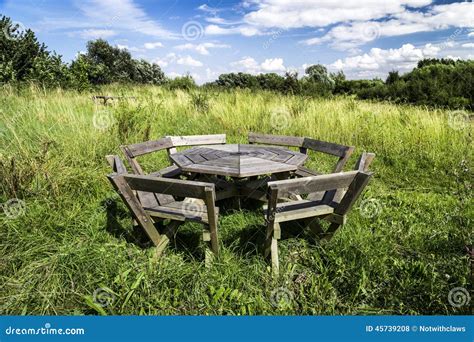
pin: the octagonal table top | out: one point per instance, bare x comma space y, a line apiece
238, 160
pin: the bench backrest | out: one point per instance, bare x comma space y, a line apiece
195, 140
342, 151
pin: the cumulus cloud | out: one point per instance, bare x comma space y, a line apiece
189, 61
151, 46
380, 61
203, 48
320, 13
357, 33
250, 65
96, 33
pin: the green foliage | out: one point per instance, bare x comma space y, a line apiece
181, 82
23, 58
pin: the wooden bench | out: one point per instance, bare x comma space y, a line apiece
304, 144
339, 193
111, 98
198, 205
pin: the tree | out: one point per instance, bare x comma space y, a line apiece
23, 58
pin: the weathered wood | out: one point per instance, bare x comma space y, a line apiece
210, 199
364, 161
353, 192
238, 161
305, 172
179, 213
169, 233
168, 186
271, 212
194, 140
274, 256
326, 147
167, 172
307, 185
343, 160
270, 139
127, 195
139, 149
116, 164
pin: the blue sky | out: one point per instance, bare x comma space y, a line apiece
364, 38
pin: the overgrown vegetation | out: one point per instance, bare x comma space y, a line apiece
401, 252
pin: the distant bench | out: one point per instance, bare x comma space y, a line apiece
106, 98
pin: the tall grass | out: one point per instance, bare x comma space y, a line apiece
71, 248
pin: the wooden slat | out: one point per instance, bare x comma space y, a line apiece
305, 172
325, 147
210, 199
169, 172
364, 161
139, 149
343, 160
296, 213
168, 186
275, 139
353, 192
193, 140
140, 215
179, 212
116, 164
307, 185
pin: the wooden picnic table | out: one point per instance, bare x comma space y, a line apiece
238, 160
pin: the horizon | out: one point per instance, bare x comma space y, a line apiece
364, 39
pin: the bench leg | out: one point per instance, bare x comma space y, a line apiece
271, 245
274, 253
170, 231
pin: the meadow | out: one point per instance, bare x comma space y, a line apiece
67, 245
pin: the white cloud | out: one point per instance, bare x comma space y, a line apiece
379, 61
357, 33
121, 14
320, 13
247, 31
250, 65
96, 33
189, 61
273, 64
202, 49
468, 45
151, 46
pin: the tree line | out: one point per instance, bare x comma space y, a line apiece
434, 82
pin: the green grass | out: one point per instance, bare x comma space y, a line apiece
74, 238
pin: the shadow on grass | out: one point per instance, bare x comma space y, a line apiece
187, 240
